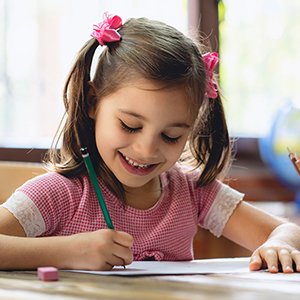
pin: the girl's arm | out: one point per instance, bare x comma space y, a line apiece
99, 250
272, 239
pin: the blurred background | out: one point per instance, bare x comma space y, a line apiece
258, 42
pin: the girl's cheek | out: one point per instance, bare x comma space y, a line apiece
173, 151
118, 138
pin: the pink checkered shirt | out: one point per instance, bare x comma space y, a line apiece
55, 205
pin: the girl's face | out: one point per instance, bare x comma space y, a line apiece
141, 131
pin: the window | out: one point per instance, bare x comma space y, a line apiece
39, 40
258, 46
260, 61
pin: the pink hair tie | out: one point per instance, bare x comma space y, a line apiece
210, 61
105, 32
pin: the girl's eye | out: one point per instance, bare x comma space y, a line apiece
128, 128
166, 138
169, 139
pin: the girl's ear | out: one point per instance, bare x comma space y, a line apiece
91, 99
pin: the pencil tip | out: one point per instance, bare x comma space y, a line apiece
289, 151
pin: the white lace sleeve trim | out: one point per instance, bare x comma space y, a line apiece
24, 209
223, 206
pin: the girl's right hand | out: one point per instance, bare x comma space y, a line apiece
100, 250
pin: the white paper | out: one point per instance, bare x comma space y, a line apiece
201, 266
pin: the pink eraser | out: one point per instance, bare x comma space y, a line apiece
47, 273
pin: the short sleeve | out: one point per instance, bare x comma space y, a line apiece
213, 204
26, 212
221, 209
44, 204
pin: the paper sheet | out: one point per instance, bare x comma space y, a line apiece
201, 266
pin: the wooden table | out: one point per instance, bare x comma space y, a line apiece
251, 285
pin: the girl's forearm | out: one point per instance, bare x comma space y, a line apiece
98, 250
30, 253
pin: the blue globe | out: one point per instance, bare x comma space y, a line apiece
285, 132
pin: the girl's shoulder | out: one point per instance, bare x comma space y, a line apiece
46, 202
52, 178
183, 175
183, 171
52, 184
185, 178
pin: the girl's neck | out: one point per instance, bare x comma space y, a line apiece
144, 197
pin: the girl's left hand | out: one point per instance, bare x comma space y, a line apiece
277, 242
275, 255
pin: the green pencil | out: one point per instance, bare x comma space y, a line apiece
91, 171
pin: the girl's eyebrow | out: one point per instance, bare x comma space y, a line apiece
131, 113
136, 115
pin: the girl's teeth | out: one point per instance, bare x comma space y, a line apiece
135, 164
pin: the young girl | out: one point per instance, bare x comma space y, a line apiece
151, 104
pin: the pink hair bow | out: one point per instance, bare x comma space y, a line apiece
210, 61
105, 32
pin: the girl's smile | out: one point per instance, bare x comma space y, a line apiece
141, 130
136, 168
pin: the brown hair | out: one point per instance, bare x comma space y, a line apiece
154, 51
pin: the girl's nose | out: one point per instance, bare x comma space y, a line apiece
146, 148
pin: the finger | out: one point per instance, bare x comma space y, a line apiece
121, 262
296, 257
286, 261
106, 267
271, 259
256, 262
123, 238
115, 261
123, 253
120, 256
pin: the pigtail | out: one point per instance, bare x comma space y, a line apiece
210, 141
78, 129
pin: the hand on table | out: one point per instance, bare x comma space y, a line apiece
273, 255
